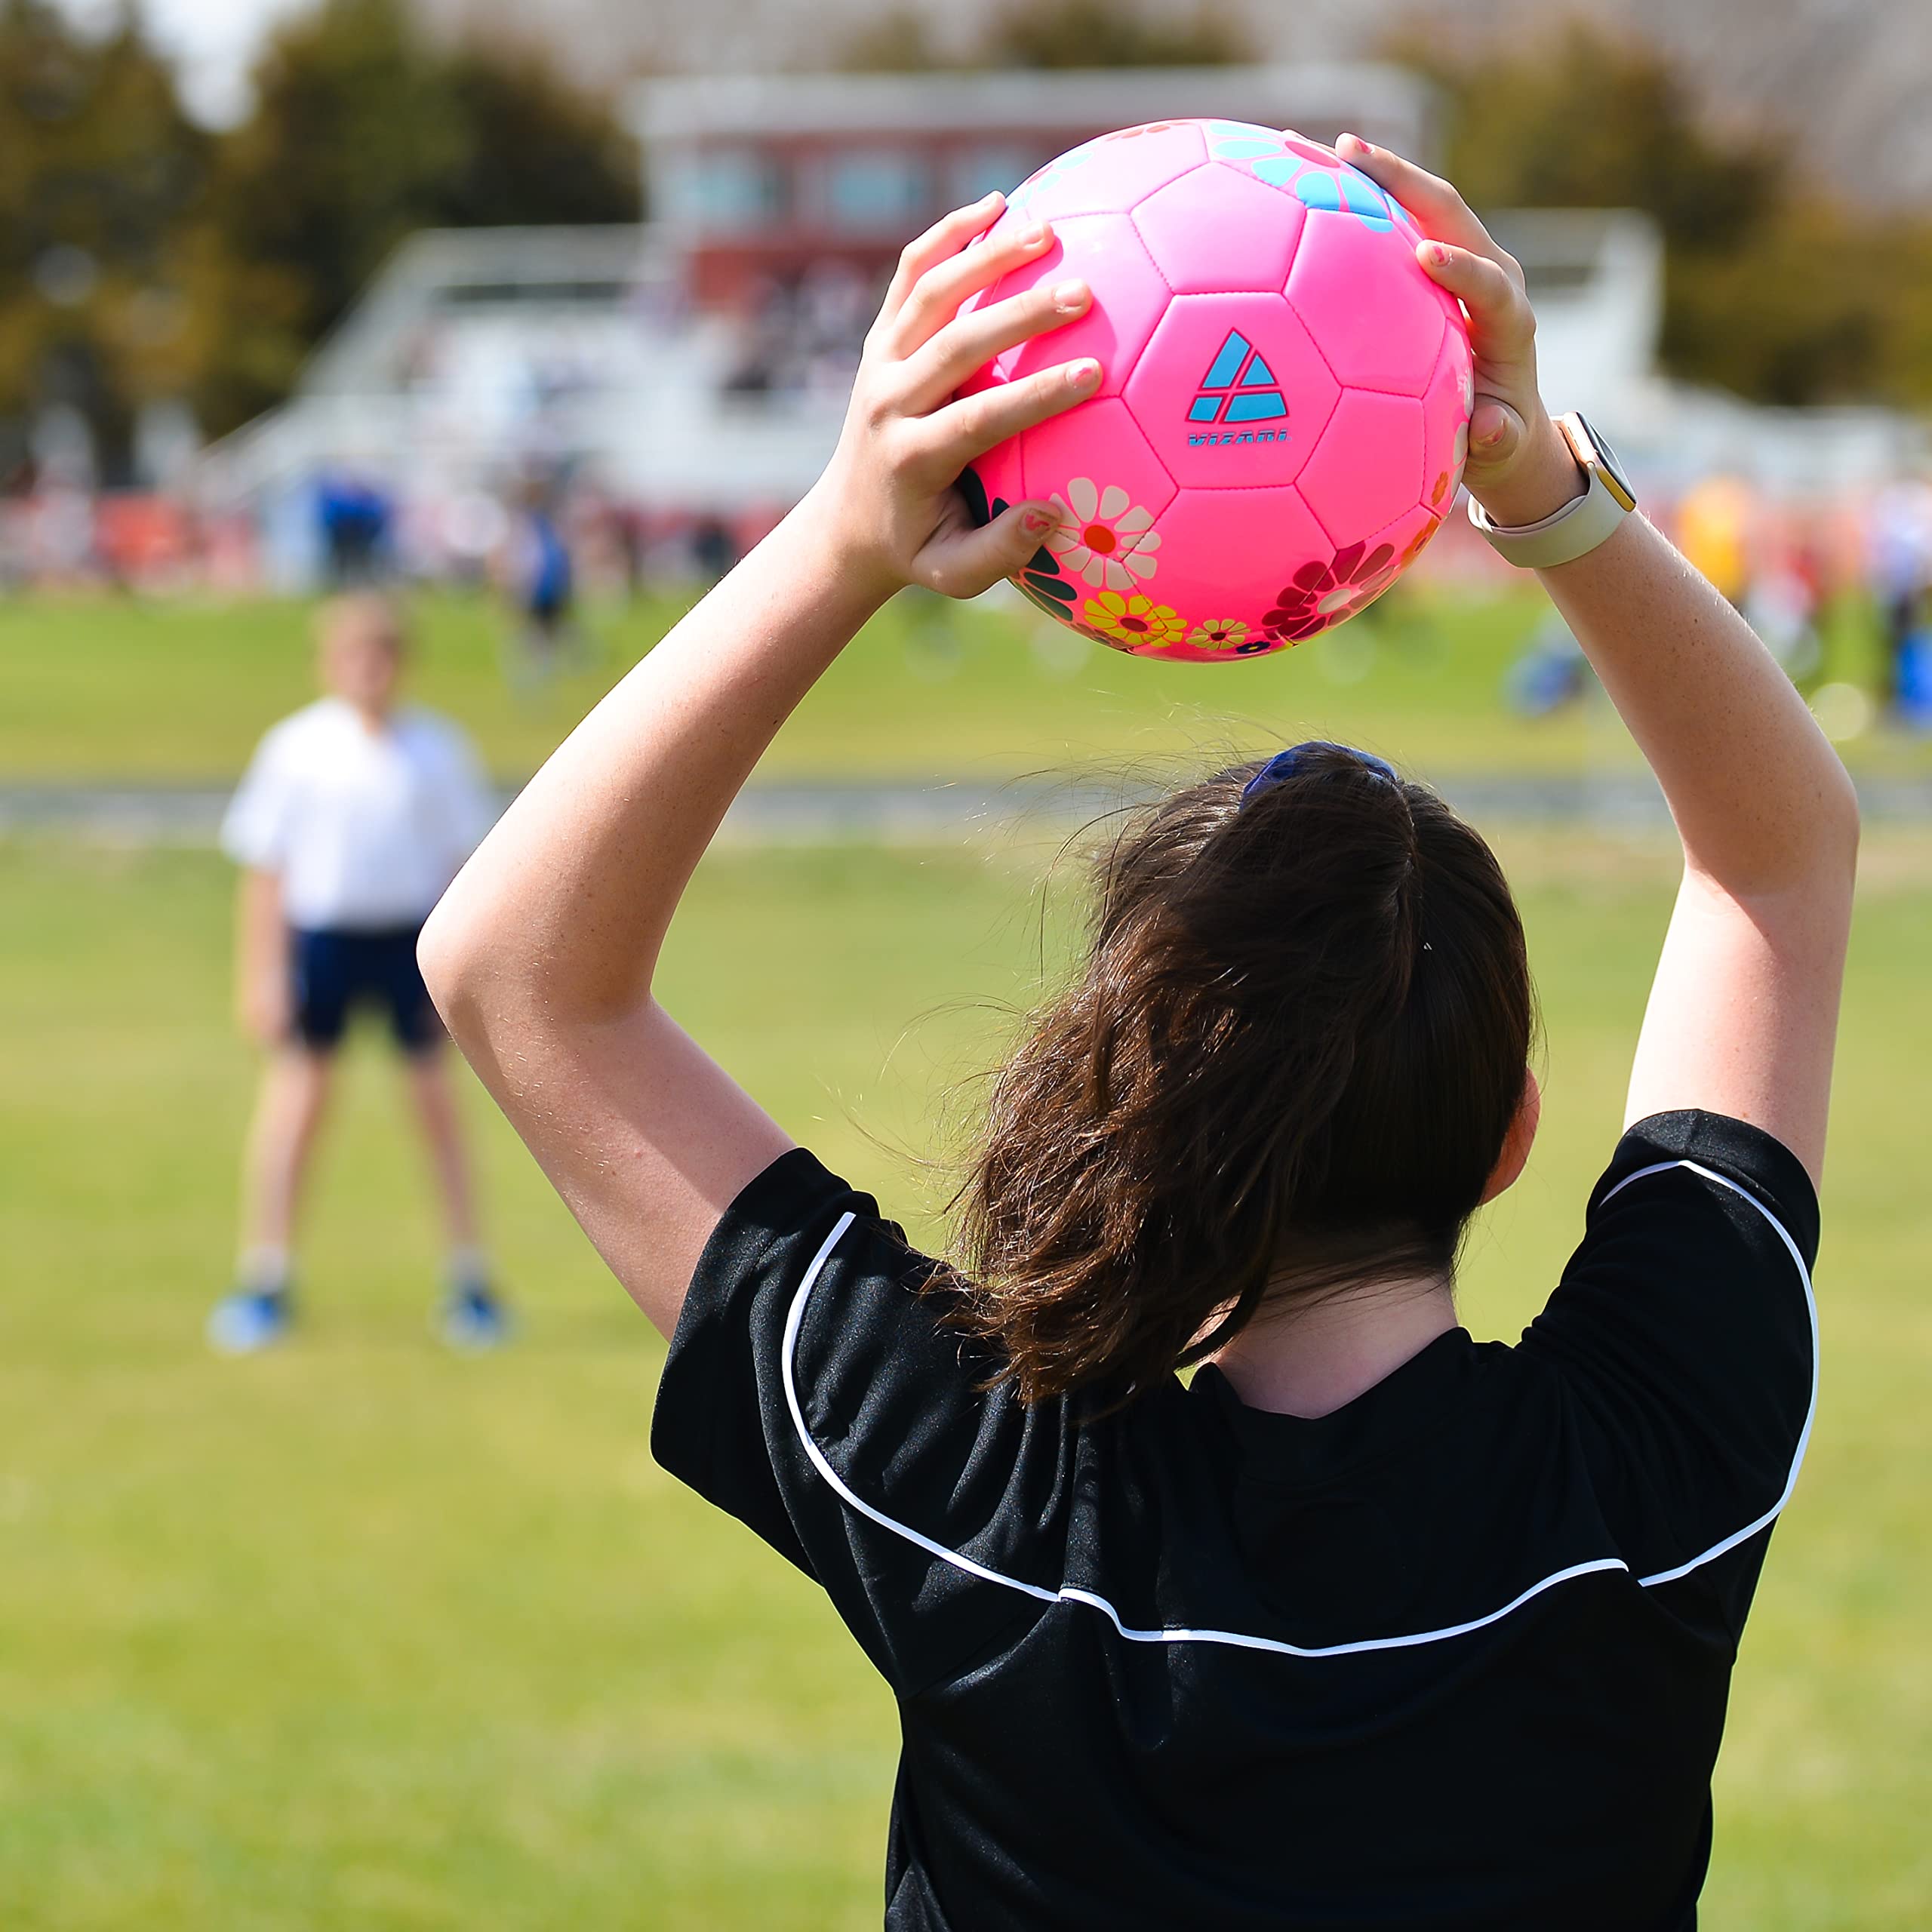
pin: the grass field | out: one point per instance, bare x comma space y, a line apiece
129, 692
365, 1636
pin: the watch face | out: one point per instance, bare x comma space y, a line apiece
1613, 467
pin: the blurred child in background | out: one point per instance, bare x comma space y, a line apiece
1714, 524
1901, 566
354, 814
538, 574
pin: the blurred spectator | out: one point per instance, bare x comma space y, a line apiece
356, 518
539, 577
1714, 531
1784, 601
474, 528
714, 549
354, 816
803, 338
1552, 674
1900, 540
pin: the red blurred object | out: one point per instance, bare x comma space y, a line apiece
140, 538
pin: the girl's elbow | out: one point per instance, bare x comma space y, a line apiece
450, 955
1842, 820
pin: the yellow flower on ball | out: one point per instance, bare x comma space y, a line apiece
1219, 634
1137, 622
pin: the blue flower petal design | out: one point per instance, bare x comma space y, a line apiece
1365, 199
1245, 147
1317, 188
1270, 159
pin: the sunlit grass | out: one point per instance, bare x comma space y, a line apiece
363, 1635
123, 691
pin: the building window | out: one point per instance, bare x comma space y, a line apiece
978, 170
725, 190
875, 190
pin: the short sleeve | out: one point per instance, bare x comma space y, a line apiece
814, 1391
470, 803
255, 828
459, 803
1684, 1331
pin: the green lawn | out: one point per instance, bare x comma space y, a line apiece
128, 691
365, 1636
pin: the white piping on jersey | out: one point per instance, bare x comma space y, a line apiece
1750, 1530
1073, 1593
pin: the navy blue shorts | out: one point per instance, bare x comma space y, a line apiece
335, 972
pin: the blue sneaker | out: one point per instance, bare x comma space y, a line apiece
472, 1319
249, 1321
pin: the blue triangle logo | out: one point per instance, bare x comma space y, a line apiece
1239, 387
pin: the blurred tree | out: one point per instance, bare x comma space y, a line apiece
1056, 33
898, 41
535, 149
362, 132
1104, 33
1773, 288
98, 170
1583, 118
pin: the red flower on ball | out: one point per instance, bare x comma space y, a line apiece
1323, 594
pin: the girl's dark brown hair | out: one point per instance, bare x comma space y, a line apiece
1289, 1063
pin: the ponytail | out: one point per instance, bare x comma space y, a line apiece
1288, 1063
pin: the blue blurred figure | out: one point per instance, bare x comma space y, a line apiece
356, 518
1552, 672
539, 577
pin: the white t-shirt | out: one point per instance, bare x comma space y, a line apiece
366, 829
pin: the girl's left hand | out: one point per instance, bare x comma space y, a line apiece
889, 498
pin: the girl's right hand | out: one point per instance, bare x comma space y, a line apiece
887, 504
1520, 469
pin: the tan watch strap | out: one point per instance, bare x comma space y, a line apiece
1568, 533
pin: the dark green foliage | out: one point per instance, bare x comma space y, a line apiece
100, 169
1103, 33
181, 263
1061, 33
362, 133
1774, 288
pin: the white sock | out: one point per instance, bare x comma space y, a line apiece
263, 1269
469, 1268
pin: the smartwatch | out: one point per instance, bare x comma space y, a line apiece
1582, 523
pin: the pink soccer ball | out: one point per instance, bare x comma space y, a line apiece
1284, 399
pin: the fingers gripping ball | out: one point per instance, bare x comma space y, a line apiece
1285, 403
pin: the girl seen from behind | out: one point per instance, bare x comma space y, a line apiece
1367, 1624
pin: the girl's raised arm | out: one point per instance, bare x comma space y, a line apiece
540, 958
1743, 1012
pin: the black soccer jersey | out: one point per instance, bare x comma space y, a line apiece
1453, 1656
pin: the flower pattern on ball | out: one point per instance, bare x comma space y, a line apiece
1039, 579
1219, 634
1312, 173
1320, 594
1055, 170
1137, 622
1447, 482
1419, 542
1103, 535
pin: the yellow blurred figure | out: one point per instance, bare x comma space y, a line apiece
1714, 532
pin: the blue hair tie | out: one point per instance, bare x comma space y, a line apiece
1284, 764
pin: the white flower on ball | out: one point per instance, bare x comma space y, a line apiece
1103, 535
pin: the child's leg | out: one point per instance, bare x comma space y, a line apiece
433, 1097
289, 1107
472, 1316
